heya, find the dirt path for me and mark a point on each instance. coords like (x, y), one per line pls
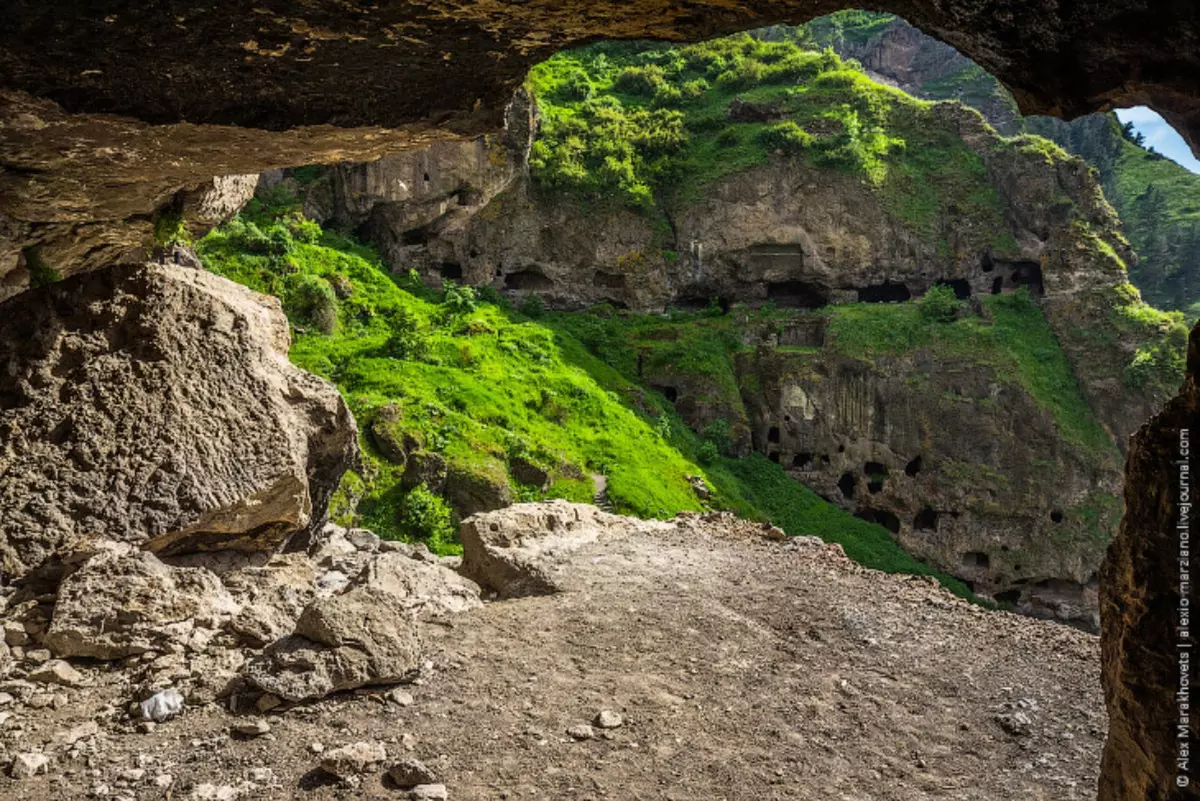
(742, 669)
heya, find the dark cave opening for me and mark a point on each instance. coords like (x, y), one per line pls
(881, 517)
(876, 474)
(974, 560)
(926, 520)
(773, 434)
(774, 456)
(1028, 274)
(985, 262)
(887, 292)
(528, 280)
(1012, 597)
(913, 467)
(669, 392)
(605, 280)
(1056, 516)
(961, 287)
(802, 460)
(998, 285)
(451, 271)
(796, 294)
(846, 485)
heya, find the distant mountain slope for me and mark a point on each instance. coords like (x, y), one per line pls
(1158, 200)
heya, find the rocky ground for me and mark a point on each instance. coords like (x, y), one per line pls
(611, 658)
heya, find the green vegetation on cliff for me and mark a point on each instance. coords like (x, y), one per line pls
(652, 126)
(498, 397)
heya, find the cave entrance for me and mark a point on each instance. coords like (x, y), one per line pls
(926, 520)
(802, 461)
(876, 473)
(1028, 274)
(887, 292)
(974, 560)
(528, 280)
(605, 280)
(450, 271)
(846, 485)
(797, 294)
(669, 392)
(881, 517)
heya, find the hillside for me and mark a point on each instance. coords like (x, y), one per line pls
(466, 405)
(1158, 200)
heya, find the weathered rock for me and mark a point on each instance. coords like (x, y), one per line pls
(409, 773)
(581, 731)
(429, 792)
(471, 491)
(607, 719)
(365, 636)
(165, 401)
(386, 435)
(124, 601)
(354, 759)
(271, 597)
(57, 671)
(28, 765)
(425, 467)
(1141, 596)
(518, 551)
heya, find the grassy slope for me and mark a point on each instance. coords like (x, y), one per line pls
(487, 384)
(649, 124)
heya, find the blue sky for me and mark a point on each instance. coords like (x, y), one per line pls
(1161, 136)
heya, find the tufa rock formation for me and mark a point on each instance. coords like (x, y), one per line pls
(155, 405)
(1146, 608)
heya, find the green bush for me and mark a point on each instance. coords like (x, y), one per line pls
(532, 306)
(940, 305)
(457, 300)
(304, 230)
(311, 299)
(425, 517)
(786, 137)
(640, 80)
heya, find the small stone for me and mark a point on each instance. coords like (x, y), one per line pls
(25, 766)
(581, 731)
(133, 775)
(6, 699)
(251, 728)
(607, 719)
(408, 740)
(266, 702)
(410, 773)
(15, 634)
(428, 792)
(164, 780)
(262, 775)
(56, 671)
(146, 727)
(400, 697)
(162, 705)
(353, 759)
(214, 792)
(37, 655)
(316, 748)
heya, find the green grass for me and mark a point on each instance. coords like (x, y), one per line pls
(648, 126)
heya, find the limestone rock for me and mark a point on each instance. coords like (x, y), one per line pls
(364, 636)
(57, 671)
(1140, 598)
(28, 765)
(354, 759)
(517, 551)
(425, 467)
(125, 601)
(429, 792)
(409, 773)
(164, 399)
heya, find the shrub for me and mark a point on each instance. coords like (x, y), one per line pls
(707, 454)
(940, 305)
(311, 300)
(405, 342)
(532, 306)
(457, 300)
(717, 434)
(694, 90)
(729, 137)
(786, 137)
(668, 95)
(425, 516)
(577, 86)
(304, 230)
(640, 80)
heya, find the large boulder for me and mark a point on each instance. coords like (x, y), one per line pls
(125, 601)
(368, 635)
(525, 549)
(155, 405)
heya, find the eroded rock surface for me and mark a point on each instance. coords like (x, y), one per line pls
(155, 405)
(1142, 587)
